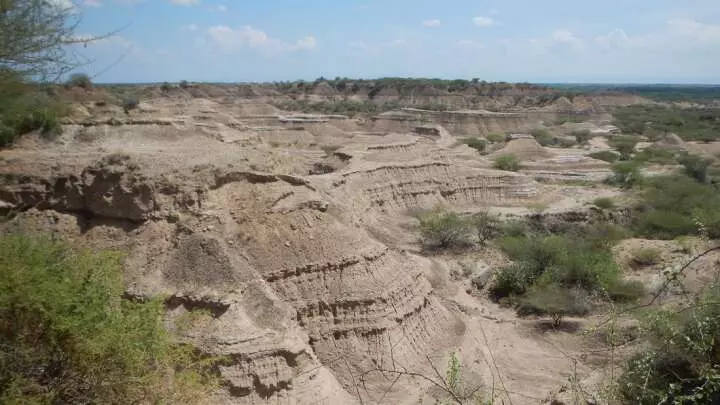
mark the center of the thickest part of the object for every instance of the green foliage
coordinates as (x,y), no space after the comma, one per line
(475,143)
(495,137)
(626,175)
(486,226)
(606,155)
(80,80)
(645,257)
(574,119)
(655,155)
(696,167)
(699,124)
(67,336)
(30,111)
(184,84)
(508,163)
(625,145)
(555,301)
(443,229)
(544,137)
(579,258)
(605,203)
(673,206)
(582,136)
(681,365)
(165,87)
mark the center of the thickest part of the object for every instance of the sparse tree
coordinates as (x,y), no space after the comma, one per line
(34,37)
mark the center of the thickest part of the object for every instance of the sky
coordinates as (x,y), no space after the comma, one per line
(537,41)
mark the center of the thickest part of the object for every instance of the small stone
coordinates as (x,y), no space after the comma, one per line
(287,243)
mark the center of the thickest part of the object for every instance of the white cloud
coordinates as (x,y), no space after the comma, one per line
(185,2)
(221,8)
(306,43)
(190,27)
(695,31)
(431,23)
(483,21)
(230,40)
(92,3)
(568,38)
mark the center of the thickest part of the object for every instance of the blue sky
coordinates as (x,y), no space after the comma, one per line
(640,41)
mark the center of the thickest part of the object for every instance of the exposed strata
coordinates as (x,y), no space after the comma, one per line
(304,298)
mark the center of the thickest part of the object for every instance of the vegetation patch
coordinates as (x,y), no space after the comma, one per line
(605,203)
(626,175)
(606,155)
(475,143)
(571,266)
(508,163)
(677,205)
(495,137)
(645,257)
(691,124)
(68,336)
(681,365)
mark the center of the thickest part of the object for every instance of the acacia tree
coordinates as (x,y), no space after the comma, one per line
(35,35)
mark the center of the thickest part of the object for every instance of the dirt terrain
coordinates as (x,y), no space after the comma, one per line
(290,235)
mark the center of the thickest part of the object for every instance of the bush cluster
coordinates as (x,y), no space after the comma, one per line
(677,205)
(699,124)
(509,163)
(68,336)
(475,143)
(682,365)
(441,228)
(605,155)
(495,137)
(577,262)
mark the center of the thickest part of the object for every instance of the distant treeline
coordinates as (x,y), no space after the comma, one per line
(660,92)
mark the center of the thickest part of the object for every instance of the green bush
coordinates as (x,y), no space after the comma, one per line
(577,259)
(486,226)
(555,301)
(605,203)
(29,112)
(440,228)
(681,365)
(511,282)
(67,336)
(673,206)
(645,257)
(495,137)
(696,167)
(582,136)
(508,163)
(79,80)
(184,84)
(655,155)
(625,145)
(543,137)
(606,155)
(475,143)
(624,291)
(700,124)
(626,175)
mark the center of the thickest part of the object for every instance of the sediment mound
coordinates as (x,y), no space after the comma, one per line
(290,286)
(412,185)
(524,149)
